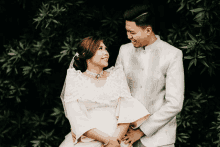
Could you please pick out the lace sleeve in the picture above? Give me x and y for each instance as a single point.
(122, 82)
(73, 89)
(110, 69)
(130, 110)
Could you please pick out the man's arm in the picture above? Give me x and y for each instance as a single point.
(174, 97)
(118, 60)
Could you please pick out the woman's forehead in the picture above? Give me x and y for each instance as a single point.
(101, 43)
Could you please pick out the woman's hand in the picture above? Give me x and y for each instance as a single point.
(113, 142)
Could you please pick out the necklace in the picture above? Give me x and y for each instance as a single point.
(94, 74)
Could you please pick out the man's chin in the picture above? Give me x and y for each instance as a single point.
(135, 45)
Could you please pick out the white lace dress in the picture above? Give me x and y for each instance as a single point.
(88, 106)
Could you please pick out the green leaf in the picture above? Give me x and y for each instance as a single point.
(57, 56)
(194, 122)
(185, 136)
(193, 38)
(6, 130)
(181, 7)
(48, 23)
(46, 70)
(61, 57)
(18, 99)
(21, 45)
(208, 47)
(196, 25)
(195, 61)
(8, 70)
(64, 51)
(207, 15)
(200, 57)
(11, 54)
(190, 64)
(197, 10)
(26, 67)
(203, 101)
(184, 47)
(55, 21)
(203, 62)
(69, 3)
(188, 57)
(198, 96)
(199, 16)
(180, 139)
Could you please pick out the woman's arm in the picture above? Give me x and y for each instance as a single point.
(97, 135)
(102, 137)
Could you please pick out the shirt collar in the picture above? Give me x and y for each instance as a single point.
(154, 44)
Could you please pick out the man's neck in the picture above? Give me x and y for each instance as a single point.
(152, 39)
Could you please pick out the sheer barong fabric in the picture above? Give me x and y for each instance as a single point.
(79, 96)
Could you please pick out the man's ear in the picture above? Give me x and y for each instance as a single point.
(148, 30)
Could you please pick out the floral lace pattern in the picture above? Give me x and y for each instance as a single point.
(80, 88)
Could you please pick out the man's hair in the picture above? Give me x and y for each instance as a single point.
(142, 15)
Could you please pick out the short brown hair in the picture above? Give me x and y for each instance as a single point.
(86, 49)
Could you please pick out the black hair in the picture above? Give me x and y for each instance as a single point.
(142, 15)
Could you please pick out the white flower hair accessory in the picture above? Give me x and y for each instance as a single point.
(77, 54)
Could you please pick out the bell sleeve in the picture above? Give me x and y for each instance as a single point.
(129, 109)
(76, 111)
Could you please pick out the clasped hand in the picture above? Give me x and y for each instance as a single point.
(113, 142)
(132, 136)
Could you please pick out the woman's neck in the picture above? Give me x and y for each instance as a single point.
(95, 69)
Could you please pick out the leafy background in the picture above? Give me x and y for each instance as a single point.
(38, 42)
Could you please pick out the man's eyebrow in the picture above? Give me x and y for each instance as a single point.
(129, 30)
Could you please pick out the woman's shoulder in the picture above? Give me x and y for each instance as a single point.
(75, 76)
(115, 70)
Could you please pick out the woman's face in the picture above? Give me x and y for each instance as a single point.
(101, 56)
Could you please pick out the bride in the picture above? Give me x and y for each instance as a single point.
(97, 102)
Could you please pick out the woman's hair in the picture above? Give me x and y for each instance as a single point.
(86, 48)
(142, 15)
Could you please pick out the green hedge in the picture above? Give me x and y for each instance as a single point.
(33, 69)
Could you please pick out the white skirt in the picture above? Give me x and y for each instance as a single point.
(104, 120)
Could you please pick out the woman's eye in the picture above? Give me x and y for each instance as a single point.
(100, 48)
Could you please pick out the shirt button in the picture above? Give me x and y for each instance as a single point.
(144, 52)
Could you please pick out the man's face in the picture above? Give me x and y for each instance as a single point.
(136, 34)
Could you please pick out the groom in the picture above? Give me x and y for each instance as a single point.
(155, 75)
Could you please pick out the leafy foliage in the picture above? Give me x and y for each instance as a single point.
(33, 69)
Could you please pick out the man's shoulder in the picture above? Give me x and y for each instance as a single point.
(168, 48)
(126, 46)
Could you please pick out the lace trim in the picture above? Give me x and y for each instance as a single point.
(79, 87)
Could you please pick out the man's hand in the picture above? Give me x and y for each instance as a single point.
(132, 136)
